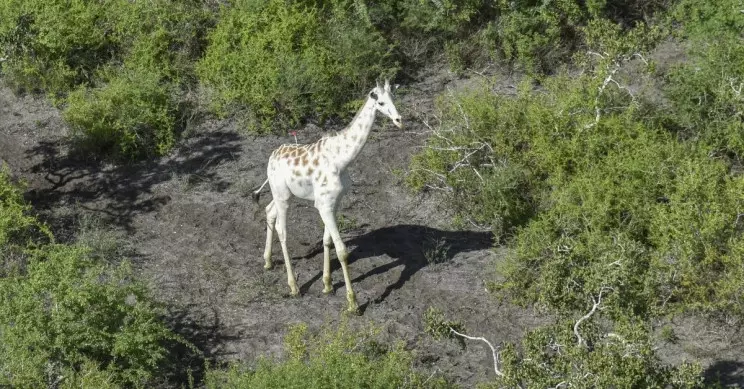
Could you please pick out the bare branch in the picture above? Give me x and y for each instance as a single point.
(560, 385)
(493, 350)
(597, 303)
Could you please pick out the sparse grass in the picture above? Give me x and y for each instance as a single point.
(346, 223)
(105, 243)
(436, 250)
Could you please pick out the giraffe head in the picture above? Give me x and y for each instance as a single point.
(383, 96)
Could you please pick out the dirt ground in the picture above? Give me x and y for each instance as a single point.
(189, 225)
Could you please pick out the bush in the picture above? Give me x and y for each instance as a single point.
(577, 353)
(705, 93)
(289, 62)
(131, 116)
(68, 312)
(67, 319)
(103, 54)
(614, 202)
(18, 229)
(51, 46)
(625, 358)
(16, 224)
(335, 358)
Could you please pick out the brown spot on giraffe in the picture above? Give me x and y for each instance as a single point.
(296, 161)
(310, 171)
(297, 173)
(316, 161)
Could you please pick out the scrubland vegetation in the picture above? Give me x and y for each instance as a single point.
(616, 182)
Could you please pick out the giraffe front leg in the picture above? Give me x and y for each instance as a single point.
(270, 220)
(330, 224)
(327, 261)
(281, 231)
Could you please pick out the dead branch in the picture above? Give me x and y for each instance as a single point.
(617, 62)
(493, 350)
(597, 302)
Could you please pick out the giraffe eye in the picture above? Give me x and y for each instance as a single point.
(381, 103)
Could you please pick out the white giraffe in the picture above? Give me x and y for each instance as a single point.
(317, 172)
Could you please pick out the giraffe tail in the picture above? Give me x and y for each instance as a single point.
(257, 192)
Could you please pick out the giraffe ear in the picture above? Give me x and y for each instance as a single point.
(373, 95)
(387, 85)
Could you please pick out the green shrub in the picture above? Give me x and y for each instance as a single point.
(612, 202)
(18, 229)
(619, 355)
(54, 46)
(16, 224)
(626, 358)
(706, 100)
(131, 116)
(103, 54)
(286, 62)
(68, 311)
(334, 358)
(51, 46)
(68, 319)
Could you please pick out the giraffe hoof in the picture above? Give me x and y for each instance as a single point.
(328, 290)
(268, 266)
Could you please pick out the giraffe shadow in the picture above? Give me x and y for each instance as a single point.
(411, 246)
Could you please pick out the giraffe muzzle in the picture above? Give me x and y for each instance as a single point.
(398, 123)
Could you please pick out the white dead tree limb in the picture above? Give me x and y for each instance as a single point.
(597, 302)
(613, 67)
(493, 350)
(562, 384)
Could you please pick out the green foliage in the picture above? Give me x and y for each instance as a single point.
(131, 116)
(614, 202)
(539, 35)
(334, 358)
(16, 225)
(54, 46)
(18, 229)
(104, 53)
(289, 61)
(438, 327)
(51, 46)
(625, 358)
(553, 356)
(67, 319)
(706, 92)
(69, 315)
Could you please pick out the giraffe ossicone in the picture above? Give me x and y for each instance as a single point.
(317, 172)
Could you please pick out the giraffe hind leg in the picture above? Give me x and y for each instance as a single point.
(327, 241)
(281, 231)
(271, 215)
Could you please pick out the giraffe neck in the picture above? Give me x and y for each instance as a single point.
(348, 143)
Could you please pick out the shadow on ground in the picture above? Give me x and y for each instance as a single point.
(120, 192)
(205, 342)
(412, 246)
(729, 374)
